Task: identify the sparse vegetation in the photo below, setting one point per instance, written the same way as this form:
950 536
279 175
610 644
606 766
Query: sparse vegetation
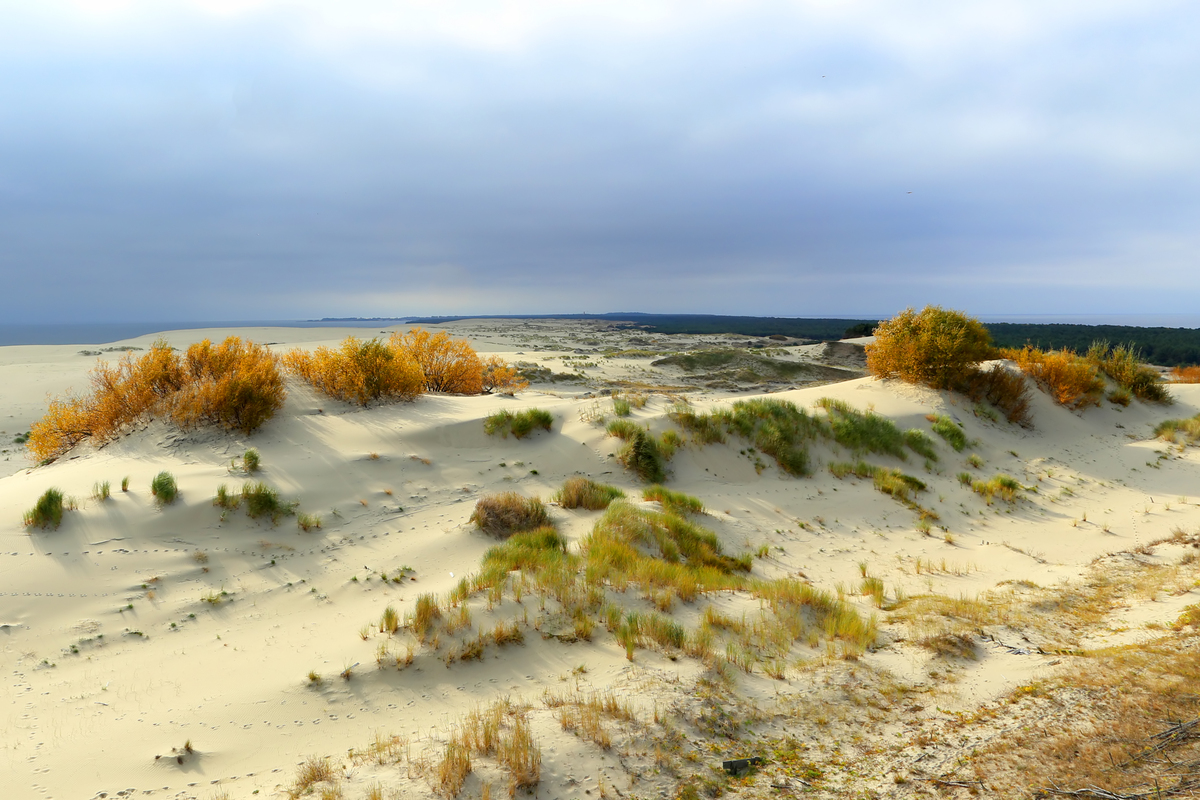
1172 429
101 490
509 512
1003 486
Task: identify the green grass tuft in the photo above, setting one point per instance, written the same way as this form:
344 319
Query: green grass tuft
519 424
263 501
1003 486
949 430
579 492
675 502
48 511
163 488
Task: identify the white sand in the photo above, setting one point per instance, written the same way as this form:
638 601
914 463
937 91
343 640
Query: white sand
96 690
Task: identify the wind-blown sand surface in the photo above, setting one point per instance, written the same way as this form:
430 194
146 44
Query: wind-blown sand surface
133 629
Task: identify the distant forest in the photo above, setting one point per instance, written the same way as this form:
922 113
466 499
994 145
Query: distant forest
1168 347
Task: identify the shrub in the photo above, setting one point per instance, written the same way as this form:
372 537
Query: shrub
48 511
262 501
579 492
675 502
1068 378
1172 428
1124 365
359 371
251 461
236 385
163 488
519 424
448 365
507 513
1186 374
640 456
934 347
500 376
949 430
1003 388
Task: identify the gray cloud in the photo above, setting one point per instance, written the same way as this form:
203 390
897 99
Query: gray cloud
262 160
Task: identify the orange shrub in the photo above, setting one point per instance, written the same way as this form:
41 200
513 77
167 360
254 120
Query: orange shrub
935 347
500 376
359 372
236 384
1185 374
1069 378
449 365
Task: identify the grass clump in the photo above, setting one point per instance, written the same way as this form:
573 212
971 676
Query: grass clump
1171 429
658 550
675 502
251 461
531 552
873 433
621 406
308 522
949 430
1003 486
1123 363
47 512
623 429
101 490
804 612
519 424
225 500
507 513
776 427
425 617
580 492
703 428
163 488
263 501
641 455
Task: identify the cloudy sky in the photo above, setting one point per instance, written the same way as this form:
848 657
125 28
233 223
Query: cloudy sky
252 159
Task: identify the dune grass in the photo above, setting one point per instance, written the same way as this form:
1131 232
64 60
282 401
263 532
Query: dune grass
675 502
163 488
263 501
580 492
949 430
1002 486
623 429
308 522
47 512
868 432
1172 429
251 461
520 424
101 490
641 455
506 513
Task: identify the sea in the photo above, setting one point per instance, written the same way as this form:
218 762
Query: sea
106 332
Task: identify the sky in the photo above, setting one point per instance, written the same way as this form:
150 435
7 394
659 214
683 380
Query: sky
253 159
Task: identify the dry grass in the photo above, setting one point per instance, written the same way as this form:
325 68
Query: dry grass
312 772
1185 374
1002 486
583 715
507 513
1172 429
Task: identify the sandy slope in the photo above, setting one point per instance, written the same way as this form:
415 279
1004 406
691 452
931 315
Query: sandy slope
113 656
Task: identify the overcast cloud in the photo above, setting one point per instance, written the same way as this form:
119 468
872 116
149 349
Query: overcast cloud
229 159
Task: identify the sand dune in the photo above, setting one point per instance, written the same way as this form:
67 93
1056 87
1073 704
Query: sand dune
134 628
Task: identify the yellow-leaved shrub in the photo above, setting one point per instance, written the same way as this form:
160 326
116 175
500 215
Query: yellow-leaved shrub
934 347
449 365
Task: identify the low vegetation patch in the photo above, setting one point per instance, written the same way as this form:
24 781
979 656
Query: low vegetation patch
48 511
776 427
520 424
507 513
263 501
868 432
579 492
1002 486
